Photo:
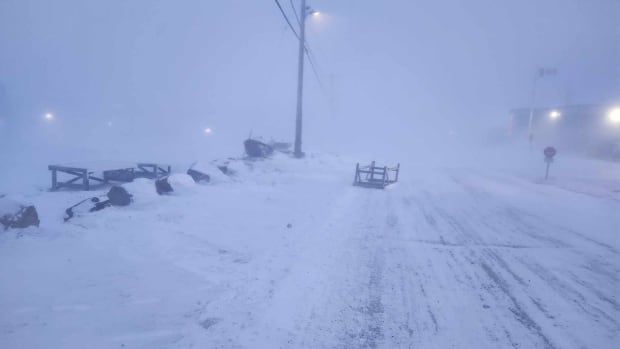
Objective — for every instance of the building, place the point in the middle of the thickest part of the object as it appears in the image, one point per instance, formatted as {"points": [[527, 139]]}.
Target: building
{"points": [[585, 129]]}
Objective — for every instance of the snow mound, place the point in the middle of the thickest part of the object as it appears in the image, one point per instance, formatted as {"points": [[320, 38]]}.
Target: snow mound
{"points": [[283, 169], [8, 206], [142, 191], [216, 175], [181, 183]]}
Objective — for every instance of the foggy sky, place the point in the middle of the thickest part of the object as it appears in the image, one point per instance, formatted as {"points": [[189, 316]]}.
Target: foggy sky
{"points": [[154, 74]]}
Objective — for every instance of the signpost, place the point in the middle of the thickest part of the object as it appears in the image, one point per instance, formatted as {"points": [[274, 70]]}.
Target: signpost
{"points": [[549, 154]]}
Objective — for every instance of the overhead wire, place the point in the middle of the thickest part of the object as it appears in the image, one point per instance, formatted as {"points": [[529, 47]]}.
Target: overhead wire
{"points": [[308, 52], [295, 12], [307, 49], [314, 68], [287, 20]]}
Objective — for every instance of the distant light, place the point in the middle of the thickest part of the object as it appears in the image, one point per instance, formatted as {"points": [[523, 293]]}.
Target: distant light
{"points": [[49, 116], [316, 13], [614, 115], [208, 131], [555, 114]]}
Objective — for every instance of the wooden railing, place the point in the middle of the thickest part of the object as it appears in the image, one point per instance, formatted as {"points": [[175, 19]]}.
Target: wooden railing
{"points": [[375, 176]]}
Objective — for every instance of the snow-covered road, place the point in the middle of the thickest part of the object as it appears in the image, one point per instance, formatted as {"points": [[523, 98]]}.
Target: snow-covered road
{"points": [[448, 258], [463, 261]]}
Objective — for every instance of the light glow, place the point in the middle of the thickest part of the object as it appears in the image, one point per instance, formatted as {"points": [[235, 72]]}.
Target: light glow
{"points": [[614, 115], [555, 114], [49, 116], [208, 131]]}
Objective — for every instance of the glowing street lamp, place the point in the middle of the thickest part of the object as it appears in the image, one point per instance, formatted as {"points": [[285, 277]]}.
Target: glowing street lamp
{"points": [[614, 116], [208, 131], [315, 13], [49, 116], [555, 114]]}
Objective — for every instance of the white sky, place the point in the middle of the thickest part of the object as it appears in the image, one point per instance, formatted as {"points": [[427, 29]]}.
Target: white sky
{"points": [[150, 72]]}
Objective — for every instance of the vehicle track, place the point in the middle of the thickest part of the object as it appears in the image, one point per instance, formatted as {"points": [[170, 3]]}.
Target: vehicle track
{"points": [[460, 267]]}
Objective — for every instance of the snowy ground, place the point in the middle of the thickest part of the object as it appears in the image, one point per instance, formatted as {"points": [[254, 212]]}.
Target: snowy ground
{"points": [[450, 257]]}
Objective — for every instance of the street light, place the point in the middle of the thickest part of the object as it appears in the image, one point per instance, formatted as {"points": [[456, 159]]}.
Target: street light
{"points": [[555, 114], [208, 131], [49, 116], [614, 116]]}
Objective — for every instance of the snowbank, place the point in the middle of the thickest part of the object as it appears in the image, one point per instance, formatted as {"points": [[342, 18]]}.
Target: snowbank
{"points": [[181, 183], [211, 168]]}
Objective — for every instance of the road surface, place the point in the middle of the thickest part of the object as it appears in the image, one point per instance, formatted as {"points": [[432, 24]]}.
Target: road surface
{"points": [[461, 260], [450, 258]]}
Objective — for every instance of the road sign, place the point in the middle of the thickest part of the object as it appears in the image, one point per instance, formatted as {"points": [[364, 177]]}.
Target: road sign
{"points": [[550, 152]]}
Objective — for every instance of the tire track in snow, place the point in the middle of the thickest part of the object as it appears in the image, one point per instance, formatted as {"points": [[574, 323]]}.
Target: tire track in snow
{"points": [[517, 309], [368, 310], [459, 274], [485, 261], [420, 271], [520, 214], [573, 296], [486, 242], [560, 285]]}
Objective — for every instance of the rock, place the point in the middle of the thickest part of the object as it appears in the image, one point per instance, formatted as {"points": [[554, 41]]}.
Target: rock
{"points": [[257, 149], [181, 183], [142, 191], [198, 176], [16, 215], [162, 186], [118, 196], [211, 169], [222, 165]]}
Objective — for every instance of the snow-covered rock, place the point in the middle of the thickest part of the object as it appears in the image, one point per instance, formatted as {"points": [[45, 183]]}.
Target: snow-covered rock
{"points": [[8, 206], [142, 190], [181, 183], [16, 215], [212, 170]]}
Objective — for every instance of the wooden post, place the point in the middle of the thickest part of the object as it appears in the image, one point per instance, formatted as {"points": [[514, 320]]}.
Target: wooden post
{"points": [[372, 170], [397, 171], [85, 179], [54, 180], [384, 175]]}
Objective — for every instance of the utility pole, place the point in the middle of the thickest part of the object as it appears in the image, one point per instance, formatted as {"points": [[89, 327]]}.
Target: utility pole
{"points": [[300, 78], [540, 73], [530, 134]]}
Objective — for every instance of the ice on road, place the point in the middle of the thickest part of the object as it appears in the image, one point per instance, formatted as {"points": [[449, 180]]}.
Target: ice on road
{"points": [[295, 257]]}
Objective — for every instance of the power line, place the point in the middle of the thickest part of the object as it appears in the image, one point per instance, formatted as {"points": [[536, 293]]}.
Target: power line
{"points": [[314, 68], [306, 44], [286, 19], [308, 52], [295, 12], [307, 49]]}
